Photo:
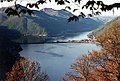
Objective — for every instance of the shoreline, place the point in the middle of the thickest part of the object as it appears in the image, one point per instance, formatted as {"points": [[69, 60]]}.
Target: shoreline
{"points": [[89, 41]]}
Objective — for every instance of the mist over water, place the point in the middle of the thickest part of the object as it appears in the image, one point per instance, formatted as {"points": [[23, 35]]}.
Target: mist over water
{"points": [[81, 36]]}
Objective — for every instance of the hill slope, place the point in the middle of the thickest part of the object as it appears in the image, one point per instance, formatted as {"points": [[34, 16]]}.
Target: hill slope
{"points": [[102, 28], [23, 24], [56, 24], [48, 20], [52, 21]]}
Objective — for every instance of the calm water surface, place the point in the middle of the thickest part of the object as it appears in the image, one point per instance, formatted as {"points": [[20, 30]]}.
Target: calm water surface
{"points": [[56, 58]]}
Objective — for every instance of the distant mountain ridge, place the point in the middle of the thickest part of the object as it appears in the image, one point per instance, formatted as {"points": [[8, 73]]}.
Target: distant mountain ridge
{"points": [[52, 22], [50, 11], [104, 19], [59, 22]]}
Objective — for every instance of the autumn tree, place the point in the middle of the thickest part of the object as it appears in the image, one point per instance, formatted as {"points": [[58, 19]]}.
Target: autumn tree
{"points": [[103, 65], [25, 70], [84, 70], [109, 56]]}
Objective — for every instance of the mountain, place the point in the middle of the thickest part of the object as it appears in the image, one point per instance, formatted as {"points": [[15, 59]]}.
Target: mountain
{"points": [[23, 24], [103, 19], [56, 24], [49, 22], [31, 31], [102, 28]]}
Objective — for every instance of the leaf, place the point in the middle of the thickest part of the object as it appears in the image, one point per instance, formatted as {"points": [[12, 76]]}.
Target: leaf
{"points": [[82, 14], [83, 7], [30, 5], [1, 1], [90, 15], [75, 10], [30, 12], [36, 6], [56, 0], [97, 13], [67, 1], [75, 0], [99, 3], [11, 11], [6, 0], [61, 2], [68, 7], [91, 8], [73, 18], [79, 1], [7, 10], [40, 2]]}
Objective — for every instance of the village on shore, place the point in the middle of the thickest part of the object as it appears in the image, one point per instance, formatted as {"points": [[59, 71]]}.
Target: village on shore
{"points": [[91, 39]]}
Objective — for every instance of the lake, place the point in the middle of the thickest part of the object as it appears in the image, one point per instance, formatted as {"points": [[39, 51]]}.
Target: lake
{"points": [[56, 58]]}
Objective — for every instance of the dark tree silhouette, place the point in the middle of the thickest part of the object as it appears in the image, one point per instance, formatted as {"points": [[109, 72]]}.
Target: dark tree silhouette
{"points": [[9, 50], [89, 3]]}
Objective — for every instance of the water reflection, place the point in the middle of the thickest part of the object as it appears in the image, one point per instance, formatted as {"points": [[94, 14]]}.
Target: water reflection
{"points": [[57, 60], [50, 53]]}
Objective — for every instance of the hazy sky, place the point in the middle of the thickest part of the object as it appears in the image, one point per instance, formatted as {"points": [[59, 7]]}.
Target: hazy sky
{"points": [[55, 6]]}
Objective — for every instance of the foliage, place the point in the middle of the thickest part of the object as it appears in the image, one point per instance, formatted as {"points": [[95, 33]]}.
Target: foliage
{"points": [[25, 70], [103, 65], [90, 5], [6, 0], [104, 27]]}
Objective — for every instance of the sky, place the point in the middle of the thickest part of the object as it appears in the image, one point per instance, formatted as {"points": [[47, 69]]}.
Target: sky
{"points": [[58, 7]]}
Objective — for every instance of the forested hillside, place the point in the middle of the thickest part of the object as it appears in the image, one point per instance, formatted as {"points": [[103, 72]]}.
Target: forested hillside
{"points": [[103, 28], [47, 22], [50, 21]]}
